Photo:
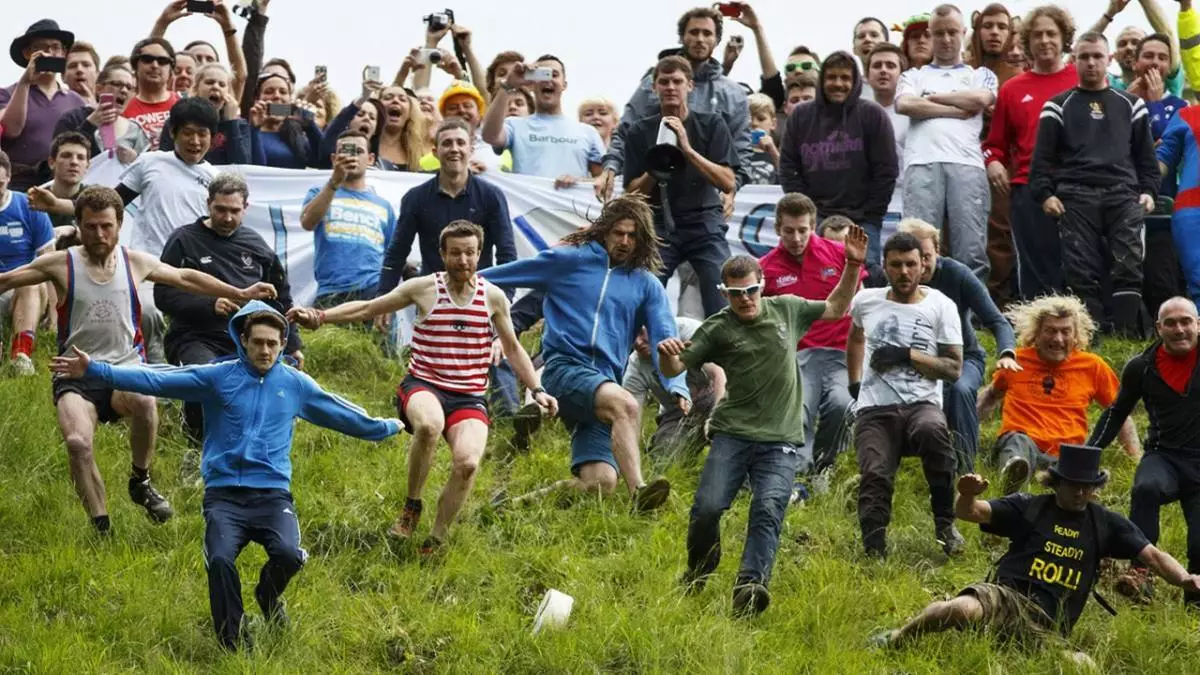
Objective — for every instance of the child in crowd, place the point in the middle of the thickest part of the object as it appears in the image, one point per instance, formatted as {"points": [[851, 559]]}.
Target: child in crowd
{"points": [[834, 228], [764, 158]]}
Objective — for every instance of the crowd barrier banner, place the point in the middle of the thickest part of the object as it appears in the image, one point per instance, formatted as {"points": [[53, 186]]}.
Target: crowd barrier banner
{"points": [[540, 213]]}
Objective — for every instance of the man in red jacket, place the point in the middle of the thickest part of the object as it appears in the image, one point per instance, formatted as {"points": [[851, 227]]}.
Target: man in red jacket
{"points": [[1045, 33]]}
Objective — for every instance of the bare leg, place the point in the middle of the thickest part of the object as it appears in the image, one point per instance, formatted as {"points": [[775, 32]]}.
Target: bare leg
{"points": [[957, 612], [467, 440], [26, 308], [49, 301], [596, 477], [617, 408], [424, 413], [142, 413], [77, 421]]}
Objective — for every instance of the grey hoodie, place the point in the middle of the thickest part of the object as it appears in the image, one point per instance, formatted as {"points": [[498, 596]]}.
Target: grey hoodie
{"points": [[713, 93]]}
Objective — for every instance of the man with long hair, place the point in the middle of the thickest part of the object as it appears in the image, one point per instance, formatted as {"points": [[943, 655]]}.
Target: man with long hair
{"points": [[1045, 402], [600, 290]]}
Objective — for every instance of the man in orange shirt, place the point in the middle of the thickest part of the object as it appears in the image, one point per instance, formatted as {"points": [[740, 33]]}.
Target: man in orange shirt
{"points": [[1045, 404]]}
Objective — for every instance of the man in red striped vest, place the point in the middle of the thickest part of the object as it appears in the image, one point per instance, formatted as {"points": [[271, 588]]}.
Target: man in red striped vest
{"points": [[444, 390]]}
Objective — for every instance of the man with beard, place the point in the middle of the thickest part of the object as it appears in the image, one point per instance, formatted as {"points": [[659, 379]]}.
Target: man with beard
{"points": [[699, 32], [98, 282], [945, 183], [547, 143], [840, 151], [909, 339], [1046, 33], [153, 61], [458, 315], [1129, 39]]}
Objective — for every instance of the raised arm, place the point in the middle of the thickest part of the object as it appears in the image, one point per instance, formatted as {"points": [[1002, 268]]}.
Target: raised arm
{"points": [[968, 506], [233, 50], [838, 302], [947, 365]]}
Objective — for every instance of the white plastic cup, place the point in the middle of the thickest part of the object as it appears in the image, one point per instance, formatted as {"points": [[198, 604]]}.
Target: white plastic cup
{"points": [[554, 610]]}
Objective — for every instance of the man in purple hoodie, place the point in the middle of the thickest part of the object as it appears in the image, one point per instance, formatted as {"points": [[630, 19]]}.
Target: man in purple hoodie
{"points": [[839, 149]]}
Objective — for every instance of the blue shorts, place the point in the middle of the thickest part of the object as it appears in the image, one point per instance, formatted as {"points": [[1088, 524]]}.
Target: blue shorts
{"points": [[574, 384]]}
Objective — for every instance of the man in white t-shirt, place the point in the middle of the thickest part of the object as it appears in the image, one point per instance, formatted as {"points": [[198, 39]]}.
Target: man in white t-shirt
{"points": [[546, 143], [945, 181], [171, 189], [884, 65], [909, 338]]}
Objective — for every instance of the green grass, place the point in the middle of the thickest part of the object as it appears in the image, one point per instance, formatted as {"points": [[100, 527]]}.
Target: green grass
{"points": [[138, 601]]}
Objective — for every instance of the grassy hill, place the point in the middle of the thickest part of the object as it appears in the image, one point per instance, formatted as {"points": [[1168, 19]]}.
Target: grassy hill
{"points": [[138, 601]]}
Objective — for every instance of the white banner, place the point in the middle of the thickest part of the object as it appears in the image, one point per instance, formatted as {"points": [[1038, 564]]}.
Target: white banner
{"points": [[541, 214]]}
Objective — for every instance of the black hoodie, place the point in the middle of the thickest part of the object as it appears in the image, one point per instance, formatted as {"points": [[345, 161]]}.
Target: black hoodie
{"points": [[842, 155], [1174, 417]]}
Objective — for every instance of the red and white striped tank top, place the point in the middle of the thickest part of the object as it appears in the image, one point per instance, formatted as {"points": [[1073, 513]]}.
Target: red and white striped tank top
{"points": [[452, 344]]}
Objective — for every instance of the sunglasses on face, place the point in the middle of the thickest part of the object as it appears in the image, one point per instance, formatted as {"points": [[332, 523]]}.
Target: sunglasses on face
{"points": [[150, 58], [800, 65], [747, 291], [1048, 384]]}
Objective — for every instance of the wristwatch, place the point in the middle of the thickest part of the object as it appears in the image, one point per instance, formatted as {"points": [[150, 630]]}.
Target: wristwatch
{"points": [[539, 390]]}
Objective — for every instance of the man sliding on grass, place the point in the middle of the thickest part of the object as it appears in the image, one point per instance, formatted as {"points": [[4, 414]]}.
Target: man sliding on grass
{"points": [[250, 404]]}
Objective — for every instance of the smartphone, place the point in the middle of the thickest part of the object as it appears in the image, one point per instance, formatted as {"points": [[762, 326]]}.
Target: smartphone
{"points": [[730, 9], [539, 75], [108, 133], [736, 39], [201, 6], [51, 64], [280, 109], [371, 74], [321, 73]]}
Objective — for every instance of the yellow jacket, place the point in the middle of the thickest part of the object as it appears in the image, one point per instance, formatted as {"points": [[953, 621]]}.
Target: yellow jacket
{"points": [[1189, 47]]}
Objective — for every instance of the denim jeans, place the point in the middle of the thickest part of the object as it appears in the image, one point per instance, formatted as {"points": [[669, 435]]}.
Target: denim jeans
{"points": [[958, 401], [772, 469], [503, 396], [706, 251]]}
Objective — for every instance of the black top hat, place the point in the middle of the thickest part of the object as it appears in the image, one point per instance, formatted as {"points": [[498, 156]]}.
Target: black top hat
{"points": [[1079, 464], [42, 28]]}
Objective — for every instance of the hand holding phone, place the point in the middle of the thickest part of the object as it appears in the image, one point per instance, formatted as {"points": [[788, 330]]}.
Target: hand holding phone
{"points": [[320, 73], [539, 75], [371, 74], [730, 9], [108, 132], [280, 109], [50, 64]]}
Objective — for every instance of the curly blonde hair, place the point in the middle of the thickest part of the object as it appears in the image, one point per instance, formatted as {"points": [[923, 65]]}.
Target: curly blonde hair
{"points": [[1028, 318]]}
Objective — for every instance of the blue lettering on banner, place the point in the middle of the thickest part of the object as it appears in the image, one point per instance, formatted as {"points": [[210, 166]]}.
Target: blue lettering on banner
{"points": [[280, 227], [752, 226]]}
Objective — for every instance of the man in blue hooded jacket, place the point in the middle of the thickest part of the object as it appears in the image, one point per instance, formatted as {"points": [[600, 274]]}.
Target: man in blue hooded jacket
{"points": [[250, 403], [600, 290]]}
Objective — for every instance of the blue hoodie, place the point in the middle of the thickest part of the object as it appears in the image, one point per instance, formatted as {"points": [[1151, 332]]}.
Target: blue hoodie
{"points": [[248, 416], [593, 311]]}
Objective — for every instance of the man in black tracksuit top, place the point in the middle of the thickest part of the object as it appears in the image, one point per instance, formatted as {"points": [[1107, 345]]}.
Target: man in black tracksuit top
{"points": [[1094, 169], [217, 245], [1164, 379]]}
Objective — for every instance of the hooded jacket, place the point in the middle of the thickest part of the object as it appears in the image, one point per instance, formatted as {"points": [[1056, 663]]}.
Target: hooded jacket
{"points": [[842, 155], [248, 416], [593, 311], [713, 93]]}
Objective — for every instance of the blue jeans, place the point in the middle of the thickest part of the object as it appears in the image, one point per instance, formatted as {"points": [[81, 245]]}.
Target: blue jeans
{"points": [[772, 470], [958, 402], [503, 397], [706, 251]]}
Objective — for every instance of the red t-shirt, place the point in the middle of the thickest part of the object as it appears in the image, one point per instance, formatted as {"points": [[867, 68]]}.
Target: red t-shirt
{"points": [[1176, 371], [814, 279], [151, 116], [1018, 110]]}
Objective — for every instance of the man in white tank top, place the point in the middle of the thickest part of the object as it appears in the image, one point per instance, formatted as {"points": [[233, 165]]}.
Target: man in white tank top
{"points": [[99, 312], [444, 391]]}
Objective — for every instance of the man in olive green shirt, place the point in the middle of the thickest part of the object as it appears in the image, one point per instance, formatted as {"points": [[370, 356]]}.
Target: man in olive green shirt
{"points": [[757, 429]]}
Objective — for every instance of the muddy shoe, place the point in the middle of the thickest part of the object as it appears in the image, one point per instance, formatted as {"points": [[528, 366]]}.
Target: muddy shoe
{"points": [[1014, 475], [652, 495], [1137, 585], [406, 524], [143, 494], [750, 599]]}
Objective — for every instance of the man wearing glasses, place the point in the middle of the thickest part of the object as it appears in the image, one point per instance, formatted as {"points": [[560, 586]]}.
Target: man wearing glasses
{"points": [[153, 62], [1045, 403], [757, 429]]}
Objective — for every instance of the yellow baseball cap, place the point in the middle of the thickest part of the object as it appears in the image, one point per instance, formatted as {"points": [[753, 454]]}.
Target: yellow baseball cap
{"points": [[461, 88]]}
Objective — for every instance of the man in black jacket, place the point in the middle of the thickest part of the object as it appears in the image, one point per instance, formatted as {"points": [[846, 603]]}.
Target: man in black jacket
{"points": [[1163, 378], [219, 246], [1094, 170]]}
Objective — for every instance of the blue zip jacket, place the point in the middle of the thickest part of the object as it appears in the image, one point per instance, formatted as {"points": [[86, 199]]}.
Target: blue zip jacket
{"points": [[248, 416], [593, 311]]}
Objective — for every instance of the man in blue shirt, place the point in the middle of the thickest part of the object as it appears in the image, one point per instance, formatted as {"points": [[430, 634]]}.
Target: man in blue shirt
{"points": [[351, 226], [247, 468], [22, 232], [546, 143]]}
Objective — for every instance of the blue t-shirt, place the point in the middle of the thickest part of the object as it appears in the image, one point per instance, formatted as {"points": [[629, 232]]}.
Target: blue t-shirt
{"points": [[22, 232], [350, 240], [552, 145]]}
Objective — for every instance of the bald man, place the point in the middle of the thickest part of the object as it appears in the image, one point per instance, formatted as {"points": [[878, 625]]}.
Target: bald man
{"points": [[1161, 377]]}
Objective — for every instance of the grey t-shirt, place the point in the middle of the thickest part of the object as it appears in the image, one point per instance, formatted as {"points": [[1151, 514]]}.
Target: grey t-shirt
{"points": [[642, 381]]}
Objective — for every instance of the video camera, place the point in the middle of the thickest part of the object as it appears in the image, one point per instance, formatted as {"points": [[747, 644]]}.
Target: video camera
{"points": [[438, 21]]}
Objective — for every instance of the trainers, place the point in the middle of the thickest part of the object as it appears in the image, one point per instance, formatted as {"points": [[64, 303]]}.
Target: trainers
{"points": [[750, 599], [273, 609], [1014, 474], [1137, 585], [952, 542], [431, 547], [652, 495], [799, 494], [525, 423], [406, 524], [22, 365], [143, 494]]}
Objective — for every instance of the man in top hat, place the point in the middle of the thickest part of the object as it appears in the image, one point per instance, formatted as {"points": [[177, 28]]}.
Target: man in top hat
{"points": [[32, 106], [1043, 580]]}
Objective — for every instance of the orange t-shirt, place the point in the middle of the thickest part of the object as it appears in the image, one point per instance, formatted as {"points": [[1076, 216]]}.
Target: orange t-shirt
{"points": [[1049, 403]]}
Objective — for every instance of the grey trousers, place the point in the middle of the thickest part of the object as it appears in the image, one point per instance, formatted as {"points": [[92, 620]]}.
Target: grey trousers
{"points": [[956, 199], [825, 384]]}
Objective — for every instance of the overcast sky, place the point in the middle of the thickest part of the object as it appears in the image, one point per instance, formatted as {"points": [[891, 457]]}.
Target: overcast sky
{"points": [[605, 44]]}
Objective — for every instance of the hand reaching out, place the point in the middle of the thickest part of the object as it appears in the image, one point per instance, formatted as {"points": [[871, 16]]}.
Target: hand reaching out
{"points": [[72, 367]]}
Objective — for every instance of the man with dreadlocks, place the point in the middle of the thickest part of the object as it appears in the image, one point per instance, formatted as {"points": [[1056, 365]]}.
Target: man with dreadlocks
{"points": [[600, 290], [1045, 403]]}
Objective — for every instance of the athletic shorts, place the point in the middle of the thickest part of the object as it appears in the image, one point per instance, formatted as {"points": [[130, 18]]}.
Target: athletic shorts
{"points": [[1008, 612], [574, 385], [456, 407], [94, 390]]}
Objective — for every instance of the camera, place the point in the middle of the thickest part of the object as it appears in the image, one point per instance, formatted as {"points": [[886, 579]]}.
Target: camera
{"points": [[539, 75], [438, 21], [430, 56], [246, 9]]}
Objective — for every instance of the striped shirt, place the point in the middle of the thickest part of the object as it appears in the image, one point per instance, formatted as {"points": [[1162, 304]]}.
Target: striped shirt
{"points": [[452, 344]]}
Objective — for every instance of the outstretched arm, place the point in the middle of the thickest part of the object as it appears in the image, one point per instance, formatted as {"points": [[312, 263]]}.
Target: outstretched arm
{"points": [[1168, 568], [149, 268], [363, 310], [334, 412], [968, 506], [36, 272], [189, 383]]}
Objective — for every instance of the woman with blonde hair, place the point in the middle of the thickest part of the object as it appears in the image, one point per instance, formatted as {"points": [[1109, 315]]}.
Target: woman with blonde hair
{"points": [[599, 112], [404, 135]]}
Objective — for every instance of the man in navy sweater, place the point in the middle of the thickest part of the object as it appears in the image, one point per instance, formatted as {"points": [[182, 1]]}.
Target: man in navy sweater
{"points": [[250, 404], [956, 281]]}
